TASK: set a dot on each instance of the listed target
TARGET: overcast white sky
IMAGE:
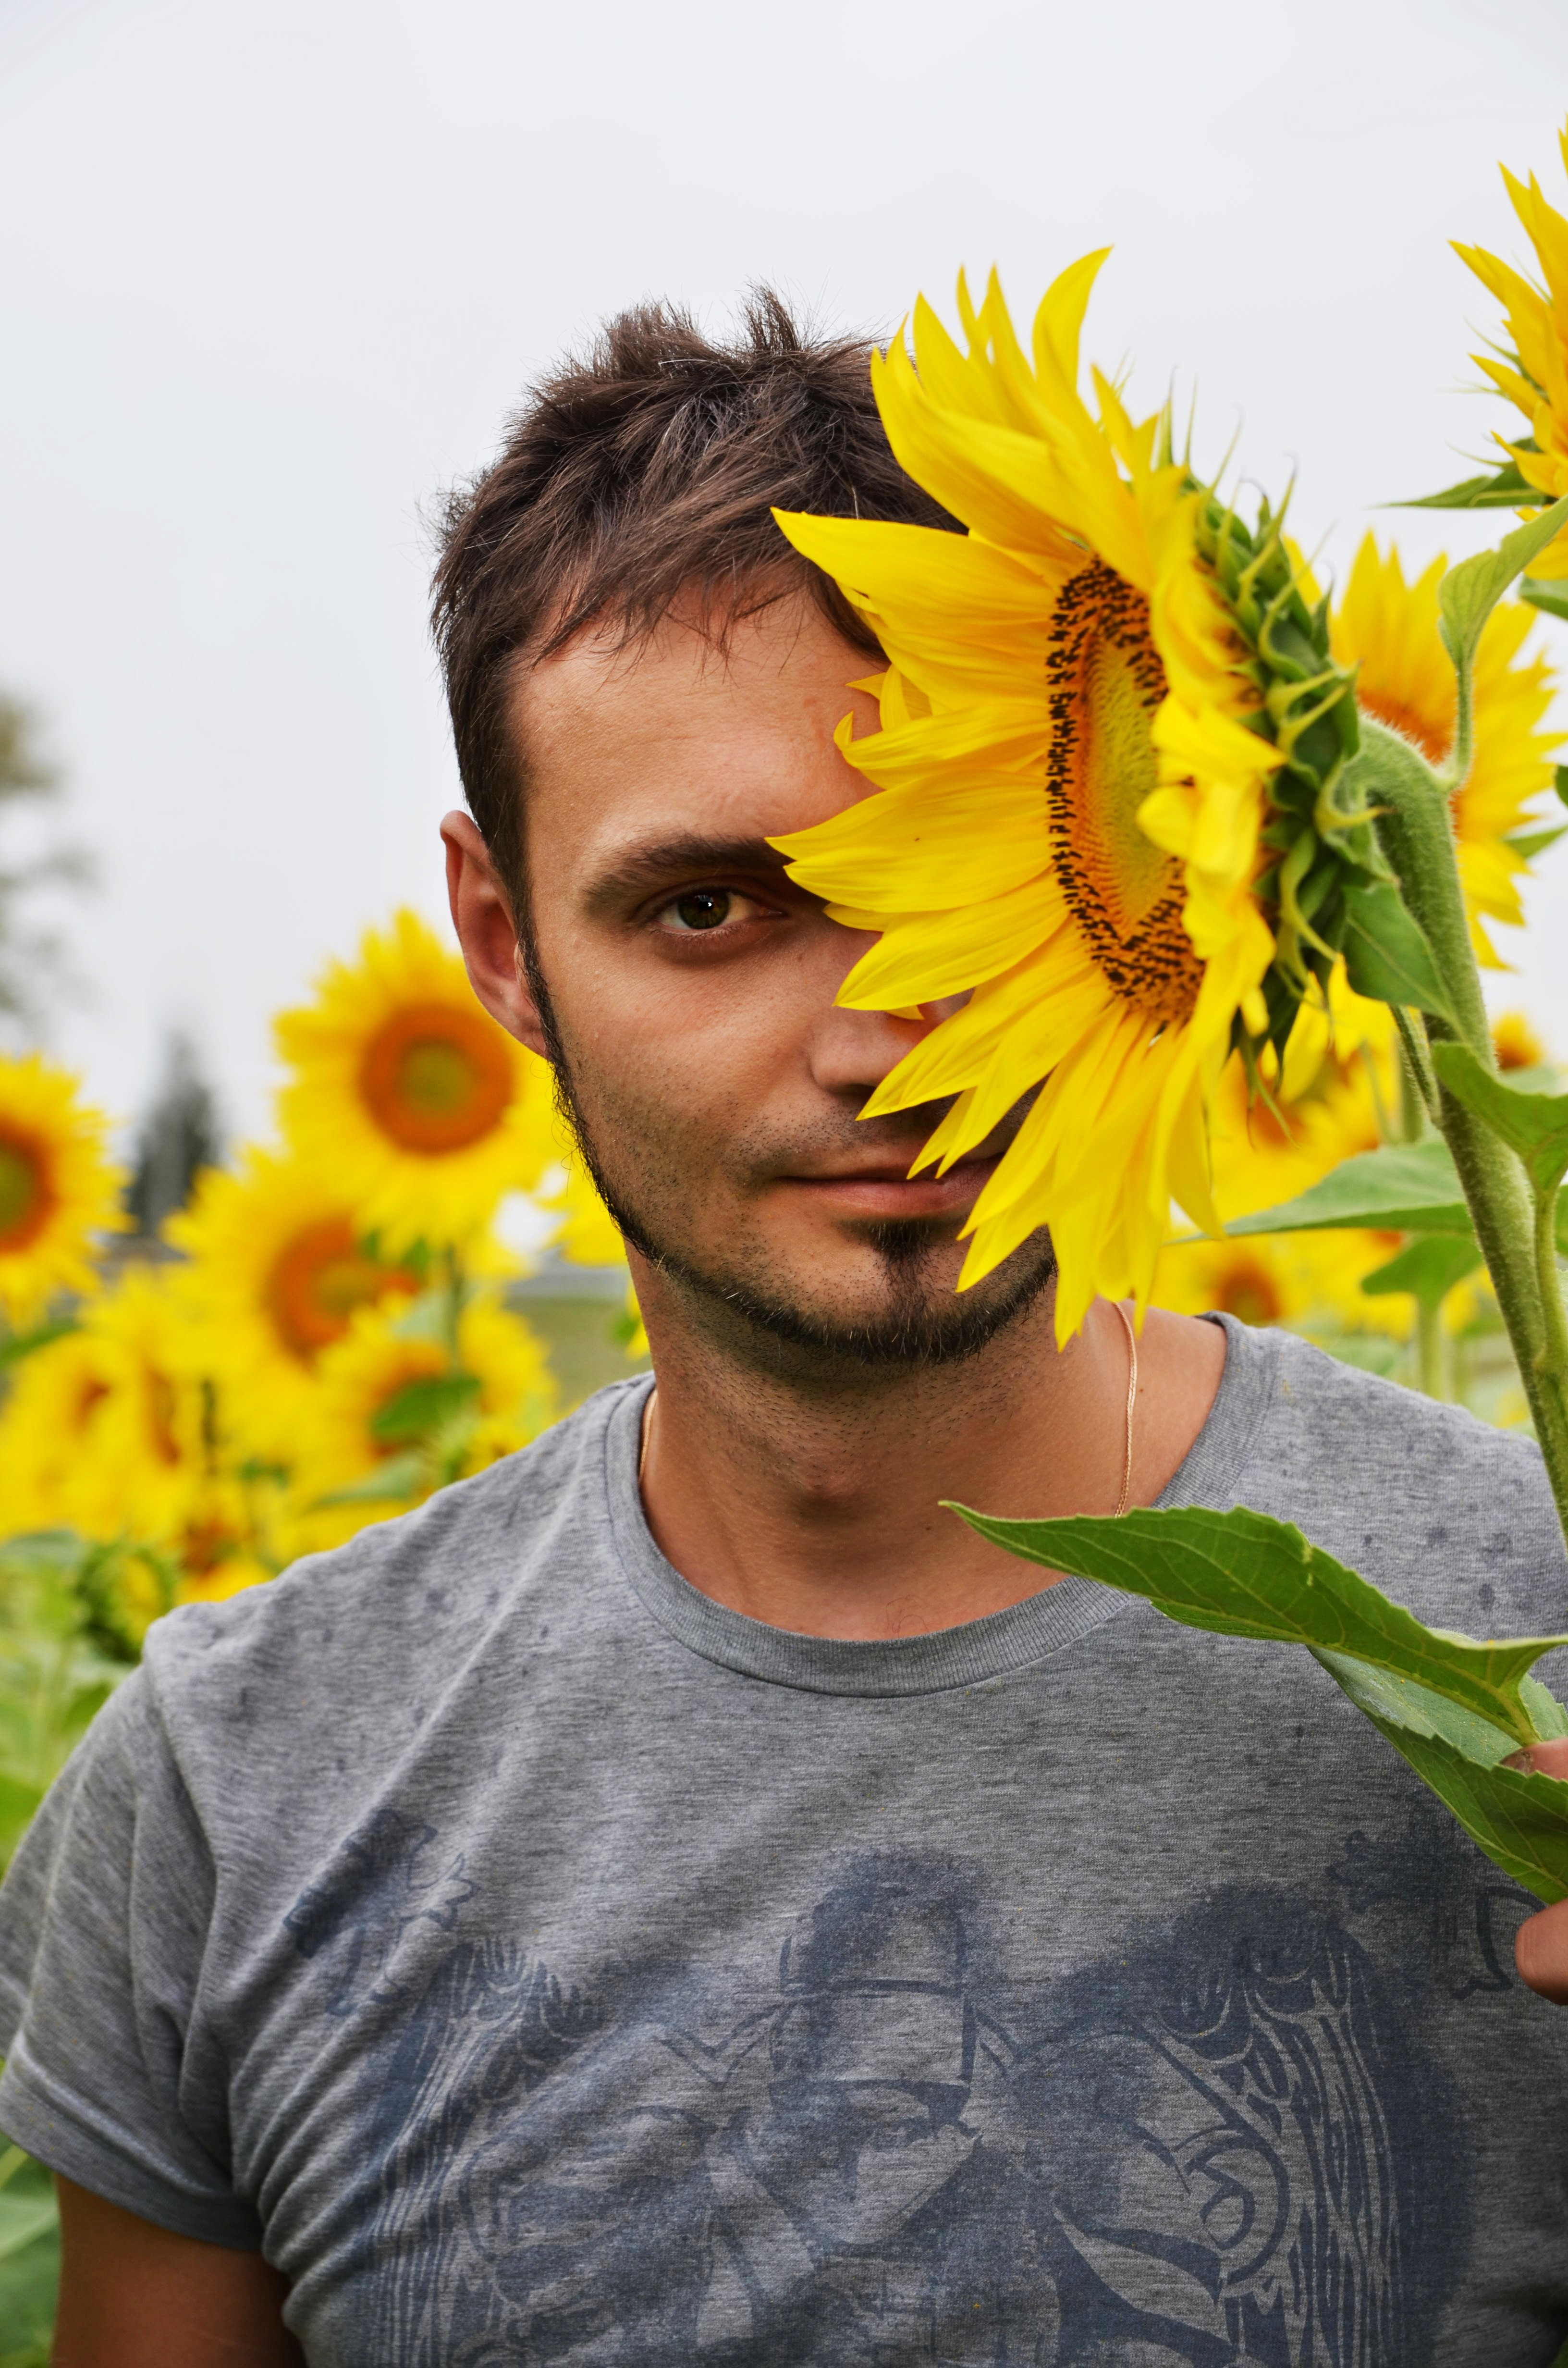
(274, 270)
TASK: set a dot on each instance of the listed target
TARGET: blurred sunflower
(408, 1095)
(1531, 369)
(588, 1236)
(1079, 730)
(146, 1442)
(47, 1427)
(1389, 629)
(58, 1188)
(277, 1270)
(398, 1411)
(1516, 1042)
(1331, 1099)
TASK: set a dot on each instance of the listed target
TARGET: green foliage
(1552, 598)
(30, 2261)
(1408, 1188)
(1429, 1268)
(1453, 1706)
(1534, 1125)
(1469, 593)
(1386, 957)
(1498, 489)
(59, 1659)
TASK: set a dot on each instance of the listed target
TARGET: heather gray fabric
(545, 1964)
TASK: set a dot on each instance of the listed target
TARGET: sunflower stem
(1554, 1350)
(1417, 832)
(1417, 1083)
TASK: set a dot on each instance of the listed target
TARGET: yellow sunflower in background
(47, 1427)
(405, 1093)
(1335, 1095)
(1516, 1042)
(58, 1188)
(395, 1400)
(1532, 371)
(147, 1446)
(278, 1267)
(1390, 629)
(1073, 789)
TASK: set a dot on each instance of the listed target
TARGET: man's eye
(704, 908)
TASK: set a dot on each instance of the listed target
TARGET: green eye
(704, 908)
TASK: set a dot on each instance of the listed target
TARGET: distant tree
(178, 1136)
(31, 959)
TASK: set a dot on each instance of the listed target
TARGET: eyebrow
(658, 861)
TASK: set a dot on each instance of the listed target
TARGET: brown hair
(644, 472)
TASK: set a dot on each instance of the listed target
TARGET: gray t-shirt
(544, 1964)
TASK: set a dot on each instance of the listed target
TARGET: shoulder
(1450, 1516)
(406, 1603)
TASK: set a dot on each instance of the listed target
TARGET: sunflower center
(25, 1196)
(1105, 681)
(318, 1280)
(1248, 1291)
(436, 1079)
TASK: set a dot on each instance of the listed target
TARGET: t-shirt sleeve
(111, 2078)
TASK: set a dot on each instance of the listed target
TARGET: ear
(482, 915)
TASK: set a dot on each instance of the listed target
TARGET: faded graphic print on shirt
(1229, 2142)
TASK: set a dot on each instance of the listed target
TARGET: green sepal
(1469, 593)
(1406, 1188)
(1496, 489)
(1428, 1269)
(1535, 1125)
(1244, 1574)
(1386, 957)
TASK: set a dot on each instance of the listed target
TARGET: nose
(851, 1052)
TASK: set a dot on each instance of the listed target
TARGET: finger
(1541, 1758)
(1540, 1952)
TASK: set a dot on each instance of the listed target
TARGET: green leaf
(1243, 1573)
(422, 1407)
(1428, 1269)
(1535, 1125)
(1386, 954)
(1553, 598)
(23, 2218)
(1528, 844)
(1520, 1821)
(1499, 489)
(392, 1481)
(1469, 593)
(1405, 1187)
(1559, 781)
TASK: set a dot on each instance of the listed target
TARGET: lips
(885, 1189)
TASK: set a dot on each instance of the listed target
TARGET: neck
(812, 1501)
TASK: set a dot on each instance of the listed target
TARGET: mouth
(882, 1190)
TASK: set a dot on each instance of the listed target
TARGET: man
(681, 1896)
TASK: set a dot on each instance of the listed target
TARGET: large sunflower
(48, 1428)
(1388, 629)
(277, 1267)
(407, 1096)
(1086, 697)
(58, 1188)
(1531, 370)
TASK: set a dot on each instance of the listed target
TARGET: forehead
(675, 731)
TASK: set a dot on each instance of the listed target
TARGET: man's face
(689, 986)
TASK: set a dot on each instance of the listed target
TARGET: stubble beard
(923, 1322)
